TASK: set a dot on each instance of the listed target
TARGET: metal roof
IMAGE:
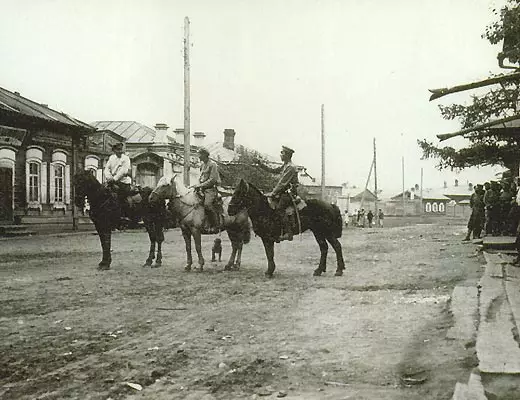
(15, 103)
(132, 131)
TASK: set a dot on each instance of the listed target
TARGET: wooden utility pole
(323, 152)
(187, 147)
(422, 204)
(74, 166)
(366, 184)
(375, 186)
(404, 195)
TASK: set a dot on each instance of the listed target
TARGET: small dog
(216, 249)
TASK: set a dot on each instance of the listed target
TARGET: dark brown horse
(186, 207)
(323, 219)
(105, 213)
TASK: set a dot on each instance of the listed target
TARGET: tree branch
(445, 136)
(437, 93)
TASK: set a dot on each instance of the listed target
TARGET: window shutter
(43, 186)
(52, 185)
(67, 184)
(99, 175)
(27, 182)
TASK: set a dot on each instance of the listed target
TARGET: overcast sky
(263, 68)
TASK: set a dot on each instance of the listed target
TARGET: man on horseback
(207, 186)
(117, 176)
(285, 190)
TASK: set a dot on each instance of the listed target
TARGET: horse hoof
(187, 268)
(339, 273)
(157, 265)
(227, 267)
(147, 264)
(317, 272)
(103, 267)
(269, 275)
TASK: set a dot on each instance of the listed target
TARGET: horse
(323, 219)
(188, 209)
(105, 213)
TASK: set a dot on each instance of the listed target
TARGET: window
(441, 207)
(428, 207)
(34, 182)
(59, 175)
(435, 207)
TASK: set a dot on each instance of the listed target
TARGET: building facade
(39, 150)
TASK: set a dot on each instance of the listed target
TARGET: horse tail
(337, 222)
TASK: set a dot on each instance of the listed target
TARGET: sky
(263, 68)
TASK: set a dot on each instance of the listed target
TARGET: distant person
(345, 218)
(381, 218)
(370, 217)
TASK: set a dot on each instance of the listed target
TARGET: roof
(369, 196)
(132, 131)
(13, 102)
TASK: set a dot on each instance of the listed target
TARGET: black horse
(323, 219)
(105, 213)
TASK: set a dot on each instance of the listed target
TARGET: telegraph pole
(404, 195)
(323, 152)
(187, 152)
(375, 185)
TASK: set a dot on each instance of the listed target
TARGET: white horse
(187, 207)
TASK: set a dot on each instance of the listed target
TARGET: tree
(245, 167)
(487, 146)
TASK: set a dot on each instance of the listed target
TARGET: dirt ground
(69, 331)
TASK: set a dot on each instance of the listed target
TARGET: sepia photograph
(297, 199)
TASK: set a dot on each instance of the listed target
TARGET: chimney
(229, 139)
(470, 186)
(417, 187)
(179, 135)
(456, 183)
(445, 185)
(161, 133)
(17, 93)
(198, 138)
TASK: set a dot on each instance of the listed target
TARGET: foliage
(246, 167)
(486, 147)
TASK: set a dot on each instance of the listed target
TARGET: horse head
(84, 182)
(239, 199)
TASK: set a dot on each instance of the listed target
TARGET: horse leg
(160, 239)
(105, 238)
(151, 253)
(186, 234)
(233, 241)
(269, 253)
(324, 248)
(198, 247)
(240, 244)
(231, 261)
(336, 245)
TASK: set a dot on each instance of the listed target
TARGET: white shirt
(118, 169)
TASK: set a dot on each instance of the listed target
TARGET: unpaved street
(69, 331)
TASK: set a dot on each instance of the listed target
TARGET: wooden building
(39, 150)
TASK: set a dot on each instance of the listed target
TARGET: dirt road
(71, 332)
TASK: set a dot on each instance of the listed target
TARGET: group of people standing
(495, 209)
(359, 218)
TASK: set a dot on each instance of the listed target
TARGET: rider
(285, 190)
(208, 181)
(117, 176)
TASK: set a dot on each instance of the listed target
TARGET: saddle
(289, 210)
